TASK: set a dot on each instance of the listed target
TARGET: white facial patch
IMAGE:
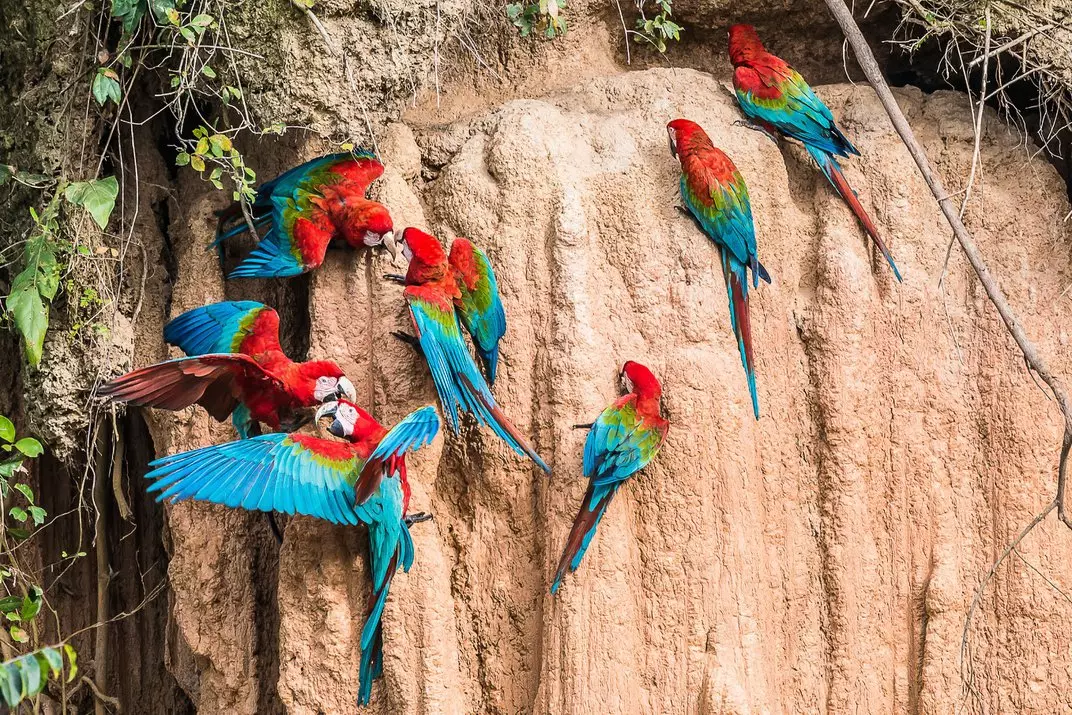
(406, 252)
(325, 388)
(346, 416)
(372, 239)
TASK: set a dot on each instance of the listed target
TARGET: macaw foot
(275, 527)
(417, 518)
(765, 129)
(395, 278)
(408, 339)
(584, 426)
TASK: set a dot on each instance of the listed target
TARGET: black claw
(417, 518)
(408, 340)
(275, 527)
(584, 426)
(395, 278)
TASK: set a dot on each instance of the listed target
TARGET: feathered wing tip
(740, 320)
(832, 171)
(210, 328)
(268, 260)
(593, 506)
(490, 359)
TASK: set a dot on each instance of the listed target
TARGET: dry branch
(1032, 358)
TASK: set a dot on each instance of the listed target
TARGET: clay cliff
(821, 559)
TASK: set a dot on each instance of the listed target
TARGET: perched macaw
(437, 305)
(307, 208)
(627, 436)
(776, 99)
(361, 480)
(716, 196)
(236, 367)
(479, 308)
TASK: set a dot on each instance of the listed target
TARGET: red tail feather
(837, 178)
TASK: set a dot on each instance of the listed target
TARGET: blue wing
(214, 328)
(292, 474)
(414, 431)
(619, 444)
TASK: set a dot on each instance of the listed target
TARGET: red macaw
(307, 208)
(236, 367)
(778, 100)
(716, 196)
(362, 480)
(624, 439)
(438, 303)
(479, 308)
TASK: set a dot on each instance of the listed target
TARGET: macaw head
(378, 228)
(744, 44)
(427, 259)
(329, 380)
(348, 420)
(640, 380)
(683, 134)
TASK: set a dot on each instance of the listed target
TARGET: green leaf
(31, 320)
(52, 659)
(97, 197)
(18, 514)
(72, 660)
(182, 159)
(18, 634)
(208, 71)
(26, 491)
(202, 20)
(29, 447)
(18, 533)
(189, 35)
(9, 604)
(197, 163)
(32, 681)
(10, 466)
(31, 605)
(10, 685)
(38, 515)
(7, 429)
(106, 86)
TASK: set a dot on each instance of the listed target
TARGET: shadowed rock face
(822, 559)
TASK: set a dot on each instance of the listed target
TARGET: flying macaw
(361, 480)
(776, 99)
(437, 305)
(307, 208)
(235, 367)
(716, 196)
(627, 436)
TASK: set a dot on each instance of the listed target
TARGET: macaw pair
(360, 480)
(778, 101)
(306, 209)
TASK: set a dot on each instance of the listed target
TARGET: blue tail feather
(593, 507)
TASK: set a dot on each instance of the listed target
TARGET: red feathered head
(686, 135)
(427, 259)
(640, 380)
(744, 44)
(377, 224)
(350, 421)
(327, 380)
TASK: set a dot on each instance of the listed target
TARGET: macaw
(307, 208)
(776, 99)
(235, 367)
(715, 194)
(437, 305)
(360, 480)
(622, 441)
(480, 307)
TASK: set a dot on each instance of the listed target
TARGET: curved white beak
(345, 388)
(326, 410)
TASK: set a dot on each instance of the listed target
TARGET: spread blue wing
(214, 328)
(415, 430)
(292, 474)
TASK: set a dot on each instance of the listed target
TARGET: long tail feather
(231, 223)
(371, 666)
(490, 358)
(504, 424)
(588, 517)
(737, 289)
(832, 171)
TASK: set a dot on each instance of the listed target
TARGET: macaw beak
(673, 144)
(326, 410)
(345, 389)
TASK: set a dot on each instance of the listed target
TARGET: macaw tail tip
(555, 586)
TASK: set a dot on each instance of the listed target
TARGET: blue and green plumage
(621, 442)
(480, 307)
(457, 378)
(214, 328)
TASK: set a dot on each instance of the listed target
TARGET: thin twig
(100, 698)
(1011, 43)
